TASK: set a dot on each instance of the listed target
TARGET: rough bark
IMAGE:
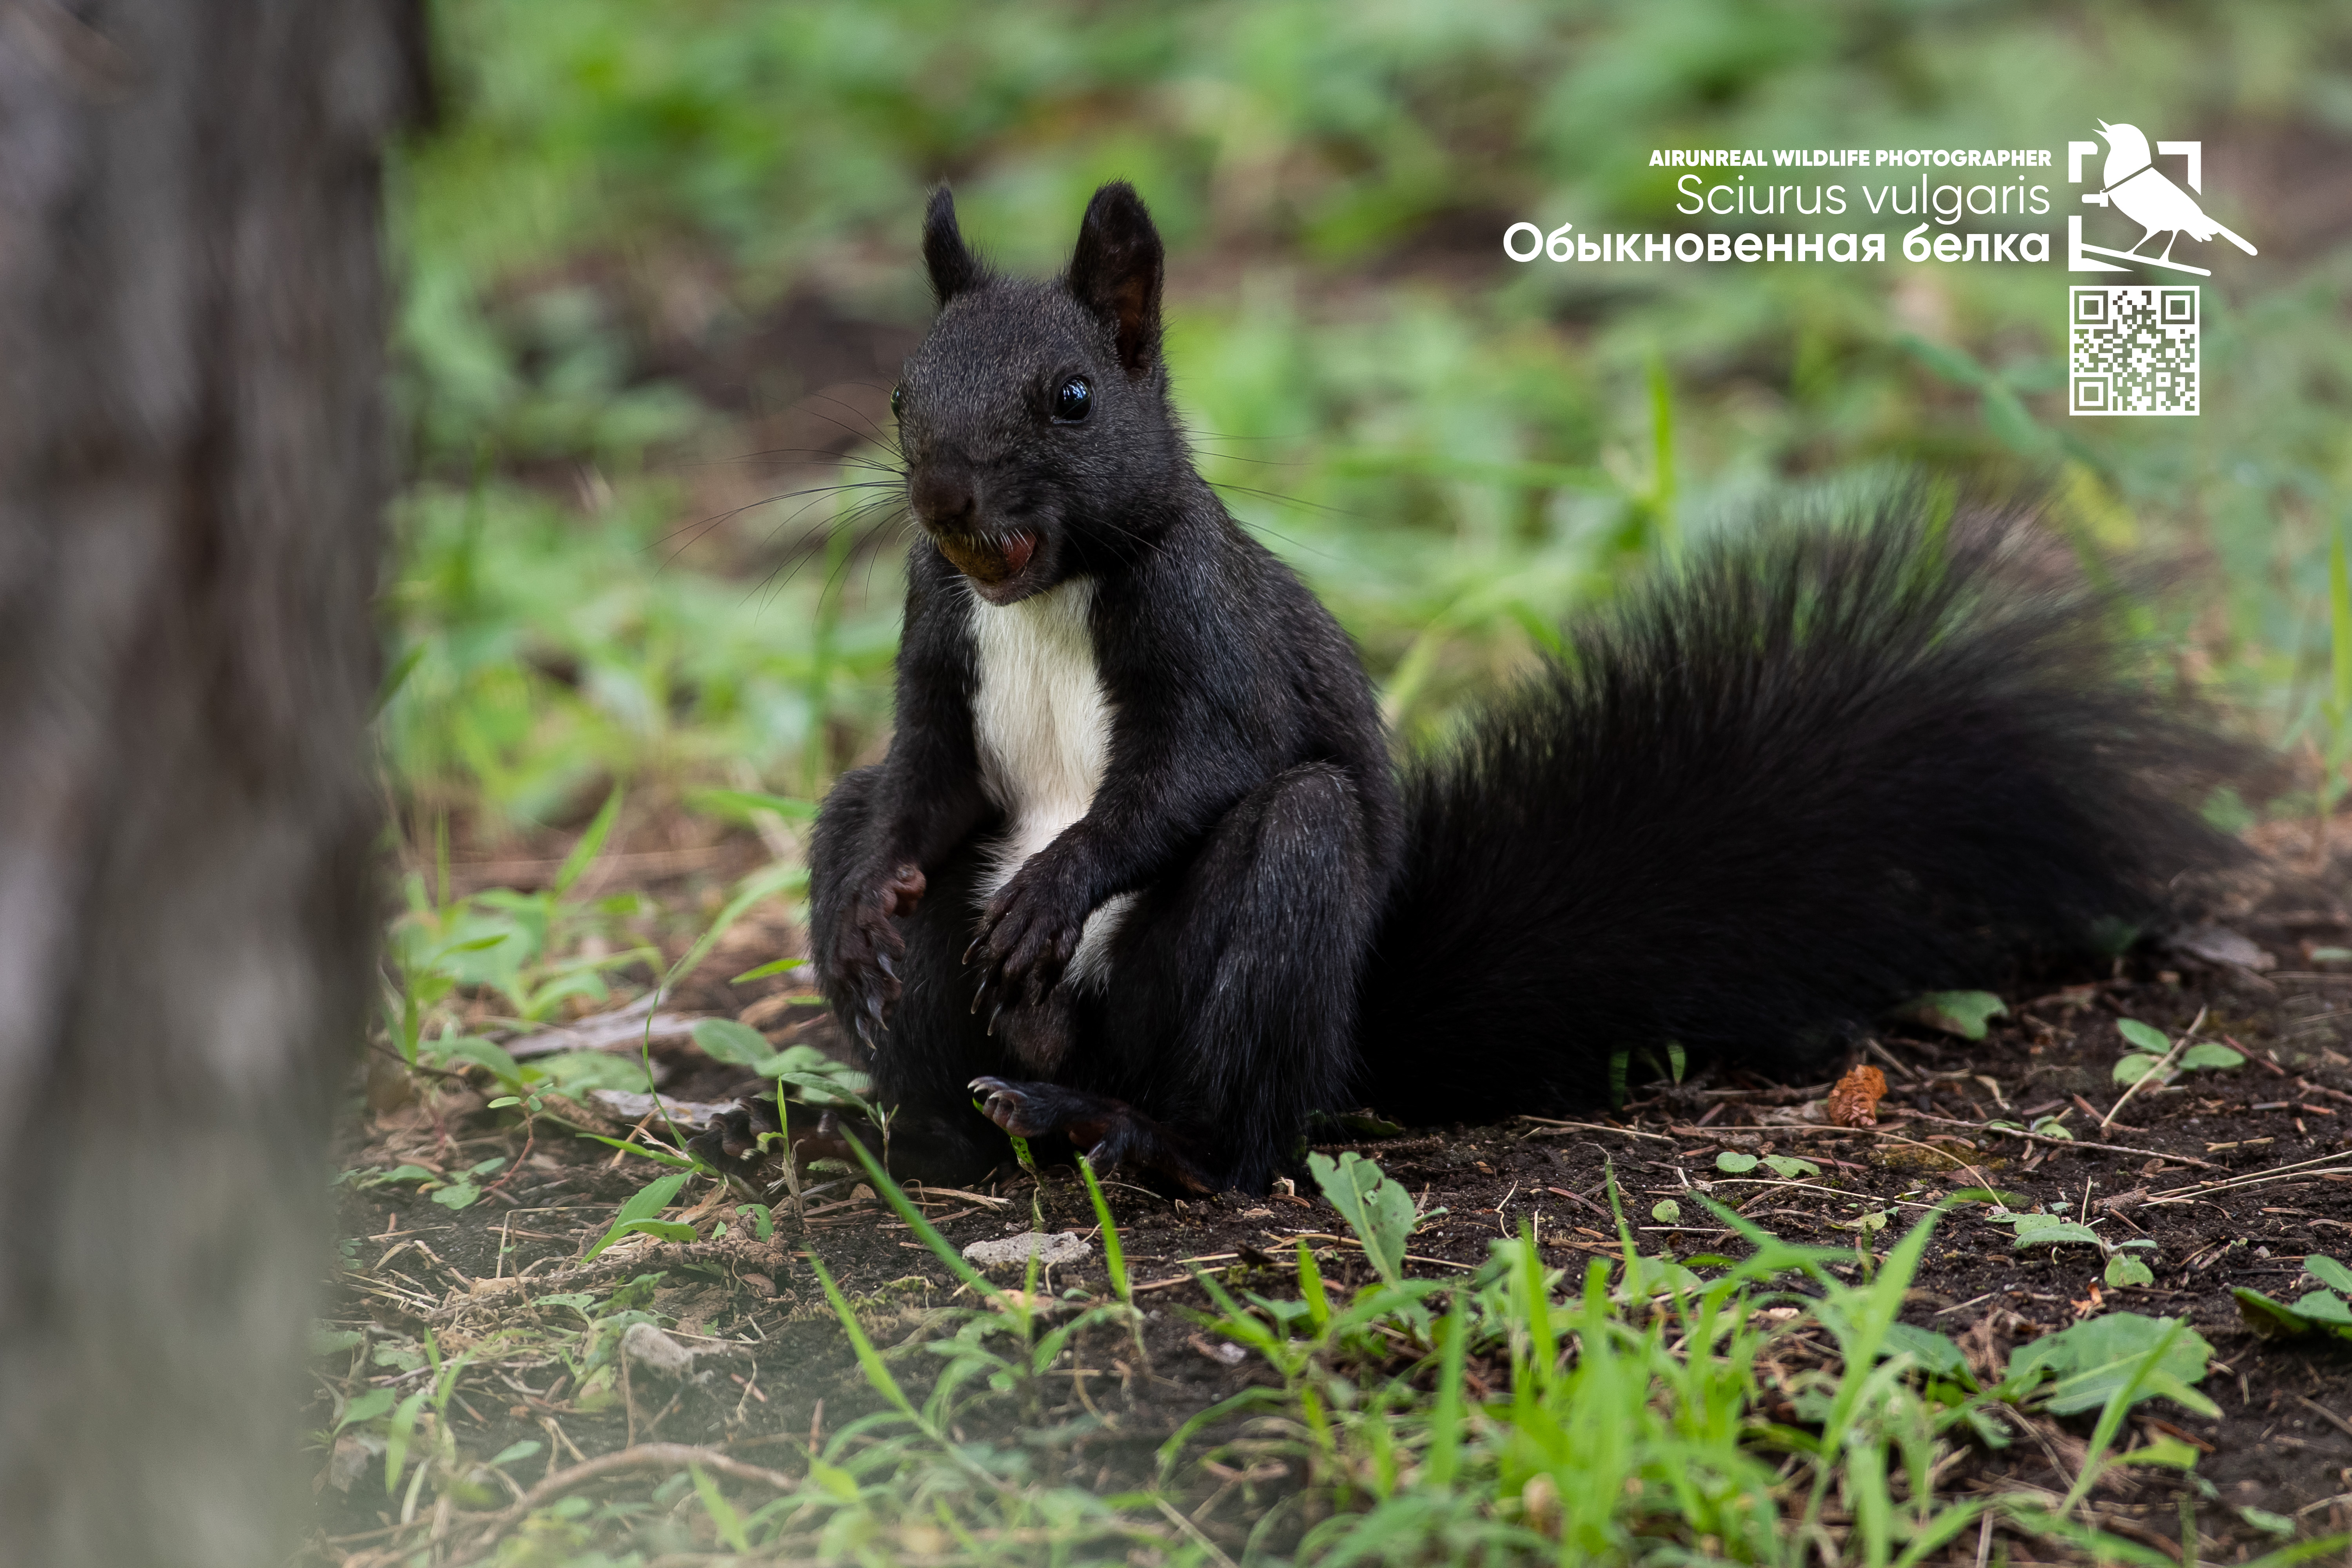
(192, 464)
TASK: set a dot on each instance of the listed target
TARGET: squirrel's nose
(945, 499)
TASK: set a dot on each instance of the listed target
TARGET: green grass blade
(1941, 1529)
(1311, 1291)
(940, 1245)
(1662, 448)
(724, 1518)
(2339, 627)
(2111, 1415)
(1113, 1257)
(870, 1360)
(1535, 1301)
(1445, 1419)
(590, 845)
(2302, 1552)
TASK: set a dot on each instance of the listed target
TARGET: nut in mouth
(988, 558)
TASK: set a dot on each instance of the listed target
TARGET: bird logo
(2133, 185)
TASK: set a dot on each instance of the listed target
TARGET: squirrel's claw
(1003, 1104)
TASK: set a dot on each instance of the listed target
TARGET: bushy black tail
(1816, 773)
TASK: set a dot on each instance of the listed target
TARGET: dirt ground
(2236, 1175)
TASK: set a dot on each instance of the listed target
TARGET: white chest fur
(1041, 720)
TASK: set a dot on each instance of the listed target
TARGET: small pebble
(652, 1349)
(1012, 1251)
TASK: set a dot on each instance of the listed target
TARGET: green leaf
(2270, 1320)
(1937, 1353)
(1666, 1213)
(2123, 1270)
(457, 1195)
(2144, 1036)
(763, 1218)
(397, 679)
(642, 1206)
(2328, 1272)
(2050, 1127)
(775, 966)
(2323, 1308)
(743, 804)
(2099, 1355)
(576, 1072)
(2270, 1523)
(1378, 1210)
(1953, 364)
(325, 1340)
(2209, 1056)
(1789, 1167)
(2170, 1452)
(738, 1044)
(1734, 1163)
(479, 1052)
(1990, 1195)
(833, 1085)
(2339, 623)
(2046, 1229)
(2134, 1067)
(1963, 1012)
(776, 877)
(396, 1437)
(522, 1449)
(659, 1156)
(590, 845)
(365, 1406)
(724, 1518)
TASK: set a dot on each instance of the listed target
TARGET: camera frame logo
(2133, 348)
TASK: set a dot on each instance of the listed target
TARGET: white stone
(1012, 1251)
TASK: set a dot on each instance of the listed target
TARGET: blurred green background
(656, 266)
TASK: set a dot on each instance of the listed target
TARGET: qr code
(2132, 350)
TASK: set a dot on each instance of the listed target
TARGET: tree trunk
(192, 463)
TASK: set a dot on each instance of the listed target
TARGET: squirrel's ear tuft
(954, 267)
(1117, 268)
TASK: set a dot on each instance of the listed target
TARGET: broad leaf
(2099, 1355)
(1966, 1014)
(642, 1206)
(737, 1044)
(2328, 1272)
(1378, 1210)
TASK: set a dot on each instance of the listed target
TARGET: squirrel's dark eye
(1070, 404)
(897, 400)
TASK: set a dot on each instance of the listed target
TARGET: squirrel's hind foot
(1111, 1131)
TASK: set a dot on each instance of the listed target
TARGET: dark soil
(2282, 1443)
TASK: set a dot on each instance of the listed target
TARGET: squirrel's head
(1033, 419)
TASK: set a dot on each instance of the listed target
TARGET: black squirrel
(1139, 875)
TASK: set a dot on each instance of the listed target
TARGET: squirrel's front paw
(861, 965)
(1028, 937)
